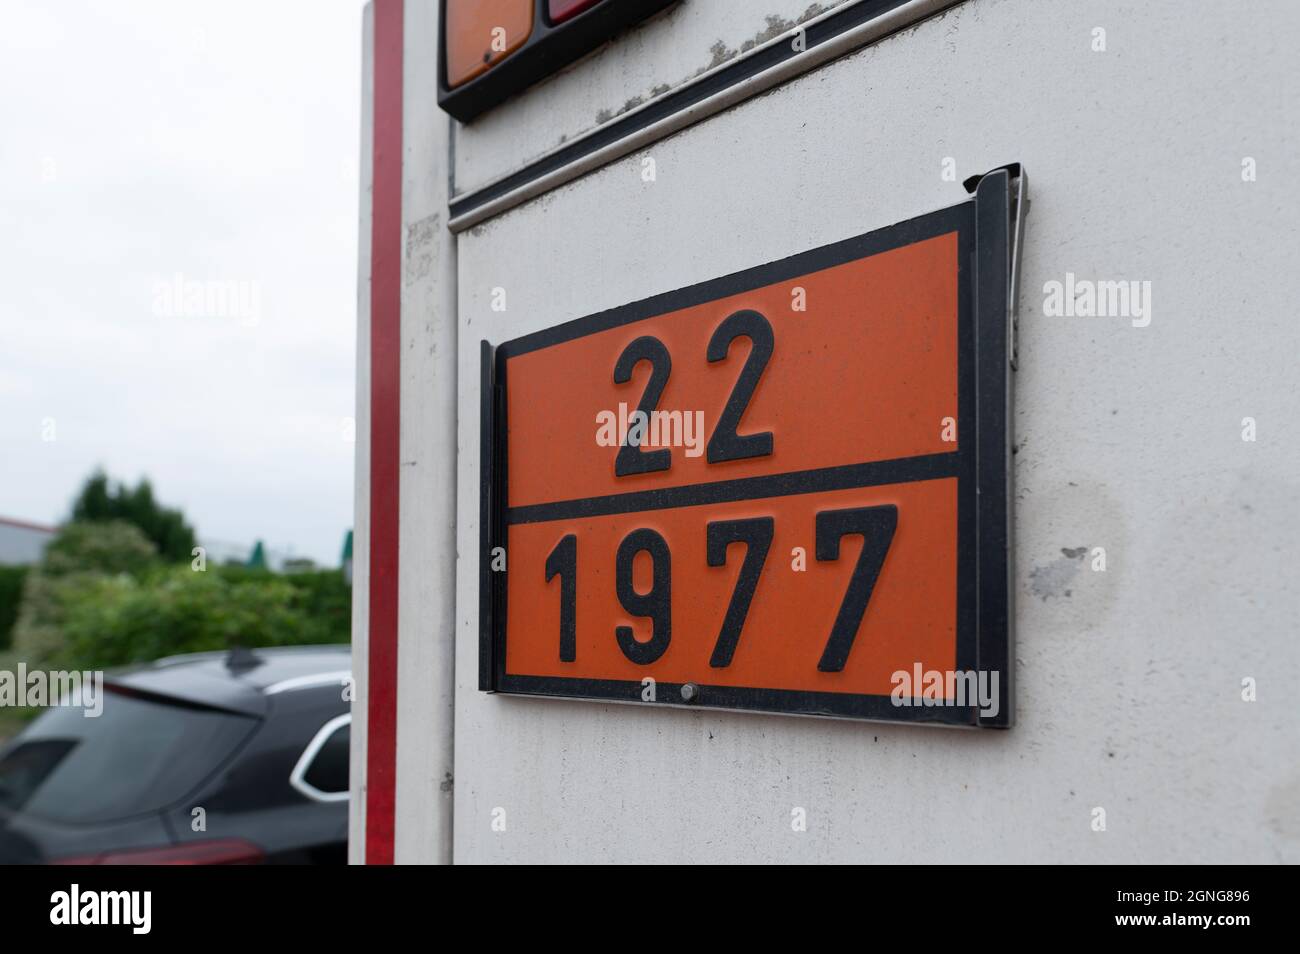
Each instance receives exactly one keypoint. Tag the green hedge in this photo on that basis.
(11, 596)
(117, 620)
(101, 597)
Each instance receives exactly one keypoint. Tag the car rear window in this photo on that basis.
(137, 756)
(328, 771)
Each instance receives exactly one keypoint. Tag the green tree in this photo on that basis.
(102, 500)
(80, 555)
(110, 547)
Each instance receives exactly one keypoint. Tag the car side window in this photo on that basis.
(321, 772)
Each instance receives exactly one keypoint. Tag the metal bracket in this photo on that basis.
(1018, 211)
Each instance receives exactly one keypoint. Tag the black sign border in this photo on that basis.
(982, 466)
(548, 48)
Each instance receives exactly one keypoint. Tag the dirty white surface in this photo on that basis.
(426, 606)
(646, 61)
(1129, 691)
(426, 603)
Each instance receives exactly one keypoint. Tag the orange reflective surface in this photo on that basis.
(481, 33)
(867, 372)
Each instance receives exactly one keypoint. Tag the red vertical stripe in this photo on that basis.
(385, 429)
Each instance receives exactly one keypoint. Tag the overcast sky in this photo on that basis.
(210, 147)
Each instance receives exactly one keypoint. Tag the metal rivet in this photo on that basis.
(690, 692)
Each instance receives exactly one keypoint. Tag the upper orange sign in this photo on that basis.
(776, 490)
(479, 34)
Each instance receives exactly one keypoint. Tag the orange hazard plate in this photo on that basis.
(781, 490)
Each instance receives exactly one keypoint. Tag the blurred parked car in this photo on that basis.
(211, 758)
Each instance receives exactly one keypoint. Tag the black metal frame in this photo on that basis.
(982, 466)
(549, 48)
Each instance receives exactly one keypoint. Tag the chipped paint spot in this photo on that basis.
(775, 27)
(1282, 810)
(720, 53)
(1054, 579)
(421, 254)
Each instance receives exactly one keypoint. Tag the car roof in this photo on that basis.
(238, 680)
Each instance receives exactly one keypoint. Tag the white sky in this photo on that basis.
(218, 141)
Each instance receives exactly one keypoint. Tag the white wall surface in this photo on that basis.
(647, 61)
(1129, 438)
